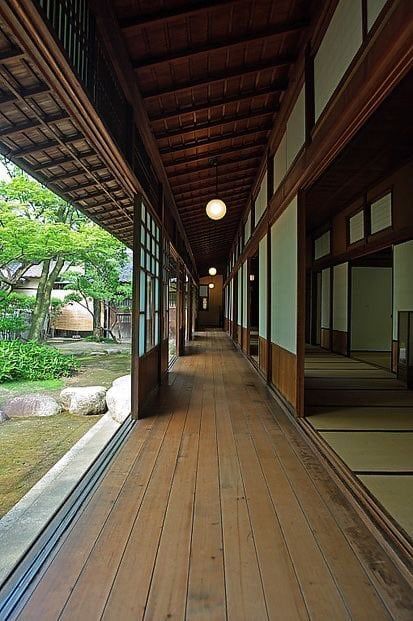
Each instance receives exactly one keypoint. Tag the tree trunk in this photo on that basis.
(43, 297)
(97, 319)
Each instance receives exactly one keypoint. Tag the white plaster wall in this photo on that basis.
(261, 200)
(245, 295)
(239, 300)
(280, 162)
(284, 279)
(338, 48)
(296, 128)
(262, 288)
(371, 308)
(374, 7)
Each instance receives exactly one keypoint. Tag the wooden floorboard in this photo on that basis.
(216, 508)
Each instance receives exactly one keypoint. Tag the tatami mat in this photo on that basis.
(369, 451)
(353, 418)
(395, 494)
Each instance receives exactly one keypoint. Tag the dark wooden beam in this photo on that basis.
(87, 184)
(210, 183)
(77, 173)
(272, 89)
(205, 142)
(224, 167)
(130, 24)
(246, 116)
(200, 200)
(63, 160)
(42, 146)
(10, 53)
(238, 72)
(209, 190)
(211, 154)
(32, 124)
(25, 92)
(215, 46)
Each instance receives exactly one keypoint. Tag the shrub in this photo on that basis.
(31, 361)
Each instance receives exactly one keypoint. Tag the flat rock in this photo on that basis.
(31, 405)
(118, 398)
(84, 400)
(3, 417)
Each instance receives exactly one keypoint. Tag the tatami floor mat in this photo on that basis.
(395, 494)
(381, 359)
(373, 451)
(391, 418)
(370, 383)
(359, 397)
(359, 373)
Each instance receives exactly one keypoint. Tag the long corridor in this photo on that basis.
(216, 508)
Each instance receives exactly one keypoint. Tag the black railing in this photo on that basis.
(74, 26)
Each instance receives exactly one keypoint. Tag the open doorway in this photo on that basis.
(371, 294)
(172, 311)
(253, 282)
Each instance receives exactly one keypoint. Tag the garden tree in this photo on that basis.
(99, 283)
(39, 228)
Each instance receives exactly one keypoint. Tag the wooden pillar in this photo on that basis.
(135, 305)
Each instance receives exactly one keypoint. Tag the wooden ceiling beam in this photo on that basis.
(32, 124)
(181, 131)
(209, 190)
(210, 183)
(25, 92)
(247, 160)
(85, 185)
(63, 160)
(42, 146)
(204, 142)
(130, 24)
(257, 144)
(238, 72)
(10, 54)
(223, 44)
(77, 173)
(228, 196)
(276, 87)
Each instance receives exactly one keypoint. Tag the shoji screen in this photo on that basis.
(296, 129)
(325, 298)
(284, 279)
(239, 300)
(262, 288)
(338, 48)
(340, 297)
(245, 294)
(402, 281)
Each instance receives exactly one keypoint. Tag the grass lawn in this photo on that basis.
(29, 447)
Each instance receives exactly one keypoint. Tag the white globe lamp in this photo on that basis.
(212, 271)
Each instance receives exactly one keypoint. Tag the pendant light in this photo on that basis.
(216, 208)
(211, 285)
(212, 271)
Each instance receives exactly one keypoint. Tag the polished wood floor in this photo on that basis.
(216, 508)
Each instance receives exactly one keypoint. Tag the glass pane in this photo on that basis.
(142, 257)
(149, 312)
(141, 334)
(142, 292)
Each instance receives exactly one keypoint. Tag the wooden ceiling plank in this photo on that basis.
(42, 146)
(210, 182)
(10, 54)
(248, 160)
(23, 93)
(257, 144)
(238, 72)
(211, 189)
(216, 139)
(215, 46)
(32, 124)
(272, 89)
(246, 116)
(130, 24)
(77, 173)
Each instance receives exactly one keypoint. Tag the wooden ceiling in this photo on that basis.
(212, 74)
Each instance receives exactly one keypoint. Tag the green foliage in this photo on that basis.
(31, 361)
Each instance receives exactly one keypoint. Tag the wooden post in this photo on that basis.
(135, 305)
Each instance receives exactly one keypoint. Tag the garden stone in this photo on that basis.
(3, 417)
(118, 398)
(84, 400)
(31, 405)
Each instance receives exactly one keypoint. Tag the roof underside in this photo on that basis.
(212, 74)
